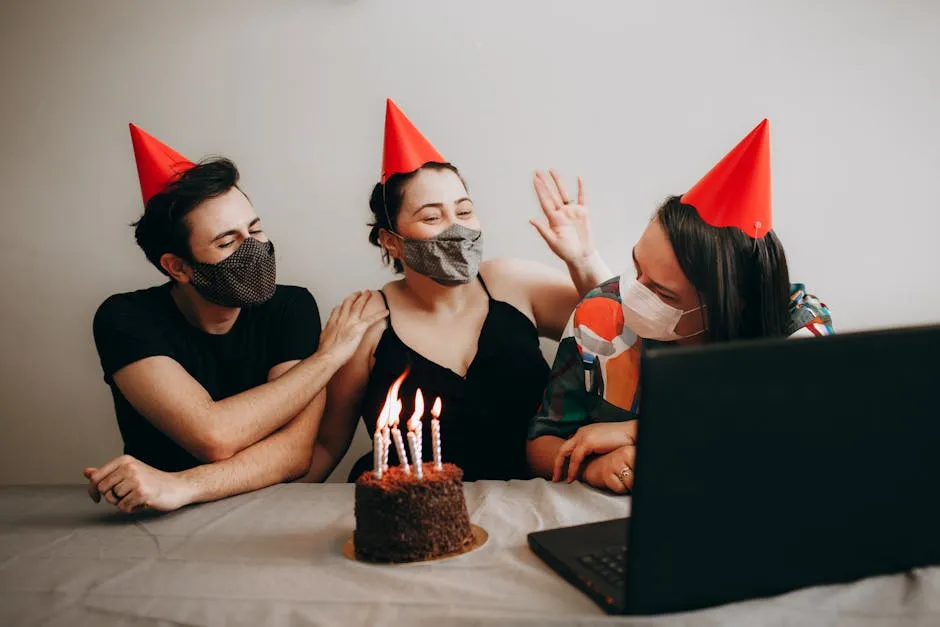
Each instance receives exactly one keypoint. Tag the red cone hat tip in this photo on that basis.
(405, 149)
(157, 163)
(736, 192)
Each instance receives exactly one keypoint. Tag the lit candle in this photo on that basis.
(378, 443)
(391, 411)
(399, 443)
(386, 442)
(436, 433)
(414, 426)
(377, 454)
(416, 454)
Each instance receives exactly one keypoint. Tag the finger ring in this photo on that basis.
(624, 474)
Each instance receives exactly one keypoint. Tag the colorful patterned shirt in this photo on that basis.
(596, 371)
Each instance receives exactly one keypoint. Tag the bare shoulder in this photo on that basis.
(518, 281)
(374, 305)
(514, 273)
(544, 294)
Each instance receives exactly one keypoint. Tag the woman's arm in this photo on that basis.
(558, 459)
(543, 293)
(541, 453)
(343, 397)
(568, 231)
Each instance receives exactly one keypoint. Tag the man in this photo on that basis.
(217, 386)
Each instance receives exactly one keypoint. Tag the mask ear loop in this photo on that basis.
(703, 310)
(388, 218)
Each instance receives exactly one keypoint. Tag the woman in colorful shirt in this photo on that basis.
(708, 268)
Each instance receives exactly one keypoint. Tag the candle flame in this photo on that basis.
(391, 410)
(436, 409)
(414, 423)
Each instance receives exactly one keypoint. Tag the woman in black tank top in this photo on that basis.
(426, 225)
(486, 413)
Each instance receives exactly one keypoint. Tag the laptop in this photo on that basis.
(770, 465)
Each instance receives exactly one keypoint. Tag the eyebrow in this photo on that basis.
(665, 290)
(439, 205)
(234, 231)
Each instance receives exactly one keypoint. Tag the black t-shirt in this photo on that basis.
(146, 323)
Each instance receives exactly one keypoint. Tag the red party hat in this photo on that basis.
(406, 149)
(736, 192)
(157, 163)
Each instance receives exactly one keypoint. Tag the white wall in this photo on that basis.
(639, 97)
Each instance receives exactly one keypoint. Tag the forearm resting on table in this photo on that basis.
(541, 453)
(588, 273)
(282, 456)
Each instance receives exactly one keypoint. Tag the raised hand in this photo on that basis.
(567, 227)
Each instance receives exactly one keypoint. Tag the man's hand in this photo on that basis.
(594, 439)
(613, 471)
(347, 326)
(131, 485)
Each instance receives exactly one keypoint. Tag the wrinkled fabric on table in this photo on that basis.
(274, 557)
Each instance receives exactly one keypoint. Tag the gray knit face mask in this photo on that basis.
(452, 257)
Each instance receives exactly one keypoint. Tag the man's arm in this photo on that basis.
(285, 455)
(164, 393)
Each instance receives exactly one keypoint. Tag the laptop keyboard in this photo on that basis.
(609, 563)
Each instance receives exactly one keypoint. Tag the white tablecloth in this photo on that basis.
(274, 558)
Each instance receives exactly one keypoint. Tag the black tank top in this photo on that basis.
(486, 413)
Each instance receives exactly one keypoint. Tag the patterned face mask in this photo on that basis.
(452, 257)
(244, 278)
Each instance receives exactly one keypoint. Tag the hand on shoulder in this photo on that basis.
(349, 322)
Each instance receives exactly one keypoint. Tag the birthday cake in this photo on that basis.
(401, 518)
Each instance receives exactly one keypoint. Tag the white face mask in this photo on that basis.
(647, 315)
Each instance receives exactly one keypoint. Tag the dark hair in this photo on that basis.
(163, 228)
(744, 283)
(385, 204)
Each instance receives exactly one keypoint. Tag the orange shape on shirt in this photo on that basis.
(603, 316)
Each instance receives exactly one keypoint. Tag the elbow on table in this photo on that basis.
(540, 464)
(214, 446)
